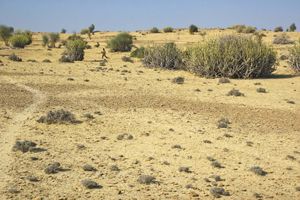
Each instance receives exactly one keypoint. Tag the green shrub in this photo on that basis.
(282, 39)
(244, 29)
(19, 40)
(63, 31)
(138, 53)
(75, 37)
(45, 40)
(75, 50)
(278, 29)
(92, 28)
(292, 27)
(294, 57)
(233, 57)
(15, 58)
(122, 42)
(53, 38)
(154, 30)
(167, 56)
(168, 29)
(5, 33)
(193, 29)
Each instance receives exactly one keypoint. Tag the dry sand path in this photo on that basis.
(7, 138)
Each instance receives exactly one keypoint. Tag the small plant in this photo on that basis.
(223, 80)
(89, 184)
(168, 29)
(278, 29)
(154, 30)
(86, 32)
(235, 93)
(261, 90)
(223, 123)
(74, 52)
(14, 57)
(138, 53)
(282, 39)
(92, 28)
(53, 38)
(122, 42)
(193, 29)
(294, 57)
(258, 171)
(178, 80)
(218, 192)
(45, 40)
(5, 33)
(167, 56)
(65, 59)
(19, 40)
(231, 56)
(127, 59)
(293, 27)
(146, 179)
(46, 61)
(58, 117)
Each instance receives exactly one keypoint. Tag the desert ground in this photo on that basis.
(172, 128)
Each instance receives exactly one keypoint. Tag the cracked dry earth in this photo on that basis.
(143, 124)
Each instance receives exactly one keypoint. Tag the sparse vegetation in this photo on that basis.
(282, 39)
(14, 57)
(154, 30)
(261, 90)
(258, 171)
(5, 33)
(63, 31)
(127, 59)
(92, 28)
(167, 56)
(278, 29)
(244, 29)
(223, 80)
(138, 53)
(74, 51)
(146, 179)
(45, 40)
(168, 29)
(58, 117)
(233, 57)
(19, 40)
(53, 38)
(217, 192)
(294, 57)
(178, 80)
(122, 42)
(86, 31)
(89, 184)
(193, 29)
(235, 92)
(223, 123)
(292, 27)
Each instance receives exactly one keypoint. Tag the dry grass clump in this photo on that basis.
(138, 53)
(294, 57)
(24, 146)
(261, 90)
(223, 123)
(258, 171)
(282, 39)
(232, 56)
(14, 57)
(244, 29)
(167, 56)
(178, 80)
(46, 61)
(217, 192)
(146, 179)
(127, 59)
(89, 184)
(223, 80)
(58, 117)
(235, 93)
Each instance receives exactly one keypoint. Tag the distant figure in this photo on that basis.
(103, 52)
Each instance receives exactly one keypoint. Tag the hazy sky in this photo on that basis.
(73, 15)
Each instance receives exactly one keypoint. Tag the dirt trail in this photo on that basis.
(7, 138)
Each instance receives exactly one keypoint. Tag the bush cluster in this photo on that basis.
(233, 57)
(168, 29)
(167, 56)
(51, 38)
(278, 29)
(193, 29)
(138, 53)
(282, 39)
(294, 57)
(74, 51)
(244, 29)
(122, 42)
(5, 33)
(154, 30)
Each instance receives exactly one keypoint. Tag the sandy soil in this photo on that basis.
(128, 98)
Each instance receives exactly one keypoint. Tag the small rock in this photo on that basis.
(89, 168)
(89, 184)
(146, 179)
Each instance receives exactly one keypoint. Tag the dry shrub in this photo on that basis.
(14, 57)
(58, 117)
(282, 39)
(232, 56)
(294, 57)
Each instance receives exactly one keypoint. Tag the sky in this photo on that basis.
(131, 15)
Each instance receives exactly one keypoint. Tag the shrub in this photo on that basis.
(167, 56)
(233, 57)
(127, 59)
(278, 29)
(244, 29)
(75, 37)
(63, 31)
(168, 29)
(178, 80)
(235, 93)
(122, 42)
(282, 39)
(294, 57)
(53, 38)
(15, 58)
(75, 50)
(46, 61)
(45, 40)
(193, 29)
(86, 31)
(138, 53)
(65, 59)
(19, 40)
(5, 33)
(154, 30)
(58, 117)
(293, 27)
(92, 28)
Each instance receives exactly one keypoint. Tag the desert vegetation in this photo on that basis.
(122, 42)
(294, 57)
